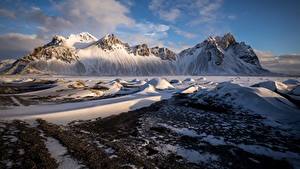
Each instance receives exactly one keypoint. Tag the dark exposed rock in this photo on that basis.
(110, 40)
(141, 50)
(163, 53)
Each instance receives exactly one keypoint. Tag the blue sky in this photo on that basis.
(269, 26)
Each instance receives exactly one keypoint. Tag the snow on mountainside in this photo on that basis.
(110, 56)
(6, 63)
(80, 40)
(58, 56)
(83, 54)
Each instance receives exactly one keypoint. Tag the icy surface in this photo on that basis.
(225, 121)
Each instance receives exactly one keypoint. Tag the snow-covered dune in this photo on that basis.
(159, 83)
(67, 112)
(258, 100)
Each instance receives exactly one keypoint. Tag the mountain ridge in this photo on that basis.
(84, 54)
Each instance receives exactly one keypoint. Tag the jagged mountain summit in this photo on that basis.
(219, 55)
(83, 54)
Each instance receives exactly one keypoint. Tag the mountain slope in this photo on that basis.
(6, 64)
(83, 54)
(110, 56)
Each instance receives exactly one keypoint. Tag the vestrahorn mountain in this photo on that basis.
(83, 54)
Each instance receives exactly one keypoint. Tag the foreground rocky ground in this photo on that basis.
(169, 134)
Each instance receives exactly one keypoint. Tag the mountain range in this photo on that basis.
(84, 54)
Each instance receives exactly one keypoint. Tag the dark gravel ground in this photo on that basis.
(168, 134)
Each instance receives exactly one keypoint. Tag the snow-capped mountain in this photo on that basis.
(219, 55)
(52, 57)
(83, 54)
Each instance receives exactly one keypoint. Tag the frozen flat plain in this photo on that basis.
(87, 102)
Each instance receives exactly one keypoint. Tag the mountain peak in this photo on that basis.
(73, 40)
(57, 40)
(111, 38)
(83, 36)
(109, 41)
(223, 41)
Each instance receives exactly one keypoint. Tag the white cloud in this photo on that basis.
(199, 11)
(208, 11)
(96, 16)
(185, 34)
(149, 33)
(265, 57)
(7, 13)
(165, 13)
(155, 4)
(206, 15)
(286, 64)
(135, 39)
(232, 17)
(151, 27)
(171, 15)
(13, 45)
(46, 23)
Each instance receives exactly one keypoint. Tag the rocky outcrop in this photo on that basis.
(141, 50)
(163, 53)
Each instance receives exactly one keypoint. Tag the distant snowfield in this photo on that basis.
(62, 113)
(244, 80)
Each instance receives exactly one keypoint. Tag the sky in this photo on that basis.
(271, 27)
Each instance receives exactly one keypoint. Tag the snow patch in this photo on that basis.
(59, 153)
(190, 154)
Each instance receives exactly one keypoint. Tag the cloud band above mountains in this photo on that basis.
(286, 64)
